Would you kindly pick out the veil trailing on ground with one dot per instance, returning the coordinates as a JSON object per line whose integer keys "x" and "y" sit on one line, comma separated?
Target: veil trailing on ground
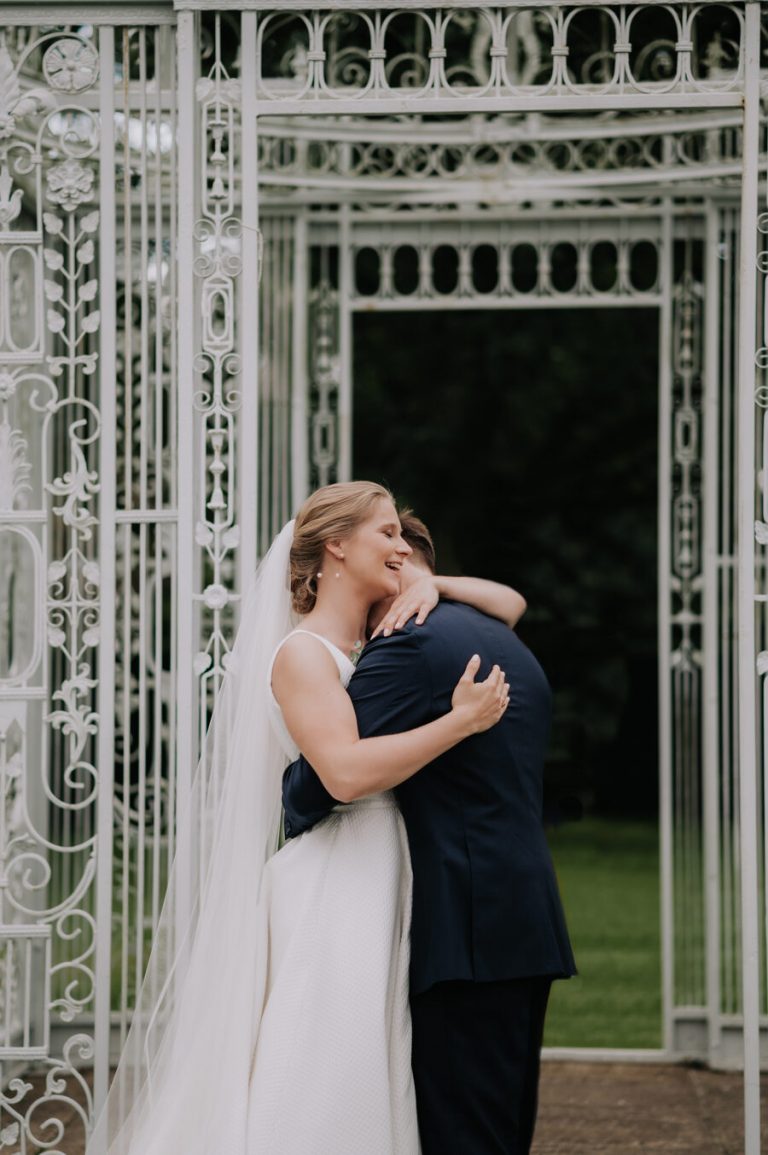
{"x": 182, "y": 1081}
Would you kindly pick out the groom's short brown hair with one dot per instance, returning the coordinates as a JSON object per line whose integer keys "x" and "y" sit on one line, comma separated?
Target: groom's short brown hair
{"x": 418, "y": 537}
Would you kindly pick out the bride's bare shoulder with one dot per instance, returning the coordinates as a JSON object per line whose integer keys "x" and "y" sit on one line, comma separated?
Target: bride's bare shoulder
{"x": 302, "y": 656}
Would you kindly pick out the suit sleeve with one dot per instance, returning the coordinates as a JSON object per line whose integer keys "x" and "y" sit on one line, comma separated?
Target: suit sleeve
{"x": 391, "y": 692}
{"x": 305, "y": 800}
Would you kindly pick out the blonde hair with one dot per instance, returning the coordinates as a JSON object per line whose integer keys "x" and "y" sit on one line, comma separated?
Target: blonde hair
{"x": 334, "y": 511}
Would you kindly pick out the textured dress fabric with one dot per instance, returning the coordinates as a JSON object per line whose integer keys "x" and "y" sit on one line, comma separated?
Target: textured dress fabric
{"x": 331, "y": 1069}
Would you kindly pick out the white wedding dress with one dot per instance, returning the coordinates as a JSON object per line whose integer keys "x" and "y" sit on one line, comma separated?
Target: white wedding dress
{"x": 331, "y": 1070}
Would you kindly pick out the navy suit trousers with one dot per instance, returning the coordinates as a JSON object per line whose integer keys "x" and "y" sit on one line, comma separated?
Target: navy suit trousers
{"x": 476, "y": 1055}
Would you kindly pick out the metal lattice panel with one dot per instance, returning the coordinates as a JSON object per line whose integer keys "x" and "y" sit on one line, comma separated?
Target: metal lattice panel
{"x": 356, "y": 158}
{"x": 505, "y": 265}
{"x": 50, "y": 427}
{"x": 538, "y": 57}
{"x": 78, "y": 105}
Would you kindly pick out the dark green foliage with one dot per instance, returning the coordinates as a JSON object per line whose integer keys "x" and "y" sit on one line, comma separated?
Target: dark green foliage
{"x": 528, "y": 442}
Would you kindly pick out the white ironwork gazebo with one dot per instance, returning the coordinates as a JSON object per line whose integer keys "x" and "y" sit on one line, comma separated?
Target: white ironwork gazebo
{"x": 195, "y": 201}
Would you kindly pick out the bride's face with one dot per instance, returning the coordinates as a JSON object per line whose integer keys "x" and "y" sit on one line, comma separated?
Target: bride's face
{"x": 375, "y": 552}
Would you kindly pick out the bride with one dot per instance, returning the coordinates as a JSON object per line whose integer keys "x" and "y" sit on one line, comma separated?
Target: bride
{"x": 279, "y": 1021}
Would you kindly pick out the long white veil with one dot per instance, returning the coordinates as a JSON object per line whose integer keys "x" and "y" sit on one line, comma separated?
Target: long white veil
{"x": 182, "y": 1081}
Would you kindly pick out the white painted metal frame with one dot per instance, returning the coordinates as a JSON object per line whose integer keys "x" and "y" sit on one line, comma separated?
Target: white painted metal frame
{"x": 369, "y": 100}
{"x": 372, "y": 92}
{"x": 215, "y": 212}
{"x": 108, "y": 394}
{"x": 87, "y": 407}
{"x": 749, "y": 601}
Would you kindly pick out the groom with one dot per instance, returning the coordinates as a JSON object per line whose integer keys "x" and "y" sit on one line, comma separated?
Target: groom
{"x": 488, "y": 933}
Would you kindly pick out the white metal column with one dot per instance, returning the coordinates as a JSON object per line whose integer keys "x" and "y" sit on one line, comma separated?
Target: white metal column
{"x": 107, "y": 559}
{"x": 250, "y": 483}
{"x": 299, "y": 364}
{"x": 346, "y": 385}
{"x": 189, "y": 176}
{"x": 711, "y": 745}
{"x": 749, "y": 789}
{"x": 664, "y": 637}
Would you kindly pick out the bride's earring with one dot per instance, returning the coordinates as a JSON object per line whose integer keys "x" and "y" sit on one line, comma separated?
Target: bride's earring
{"x": 338, "y": 572}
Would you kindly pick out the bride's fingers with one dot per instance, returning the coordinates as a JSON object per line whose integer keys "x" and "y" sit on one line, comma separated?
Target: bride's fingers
{"x": 396, "y": 621}
{"x": 421, "y": 609}
{"x": 421, "y": 605}
{"x": 405, "y": 614}
{"x": 386, "y": 624}
{"x": 471, "y": 668}
{"x": 399, "y": 615}
{"x": 424, "y": 612}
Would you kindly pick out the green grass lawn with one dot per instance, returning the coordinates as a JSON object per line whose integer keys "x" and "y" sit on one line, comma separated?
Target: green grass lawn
{"x": 609, "y": 879}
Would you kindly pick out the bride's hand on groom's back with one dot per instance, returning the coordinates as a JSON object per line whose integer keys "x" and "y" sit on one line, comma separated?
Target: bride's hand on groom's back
{"x": 480, "y": 704}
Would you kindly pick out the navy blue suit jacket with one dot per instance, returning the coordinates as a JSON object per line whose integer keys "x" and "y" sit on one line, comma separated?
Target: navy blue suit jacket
{"x": 485, "y": 899}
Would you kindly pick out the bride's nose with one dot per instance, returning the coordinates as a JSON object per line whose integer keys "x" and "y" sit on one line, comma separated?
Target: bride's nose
{"x": 403, "y": 548}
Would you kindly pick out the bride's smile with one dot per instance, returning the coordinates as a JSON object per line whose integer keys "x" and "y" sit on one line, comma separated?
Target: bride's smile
{"x": 373, "y": 554}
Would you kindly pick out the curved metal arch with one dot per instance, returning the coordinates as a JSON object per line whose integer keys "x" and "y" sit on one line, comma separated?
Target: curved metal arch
{"x": 505, "y": 157}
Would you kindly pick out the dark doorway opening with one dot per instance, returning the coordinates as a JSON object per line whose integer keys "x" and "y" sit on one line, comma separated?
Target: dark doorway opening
{"x": 528, "y": 442}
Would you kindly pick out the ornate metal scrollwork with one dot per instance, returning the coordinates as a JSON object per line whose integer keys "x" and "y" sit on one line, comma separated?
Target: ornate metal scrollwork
{"x": 324, "y": 383}
{"x": 379, "y": 55}
{"x": 50, "y": 423}
{"x": 386, "y": 162}
{"x": 218, "y": 266}
{"x": 686, "y": 622}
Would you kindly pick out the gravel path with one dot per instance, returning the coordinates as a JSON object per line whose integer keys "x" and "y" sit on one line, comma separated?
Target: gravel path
{"x": 594, "y": 1109}
{"x": 615, "y": 1109}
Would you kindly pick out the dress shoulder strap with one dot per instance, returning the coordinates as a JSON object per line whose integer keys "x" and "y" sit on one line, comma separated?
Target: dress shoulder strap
{"x": 332, "y": 648}
{"x": 345, "y": 665}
